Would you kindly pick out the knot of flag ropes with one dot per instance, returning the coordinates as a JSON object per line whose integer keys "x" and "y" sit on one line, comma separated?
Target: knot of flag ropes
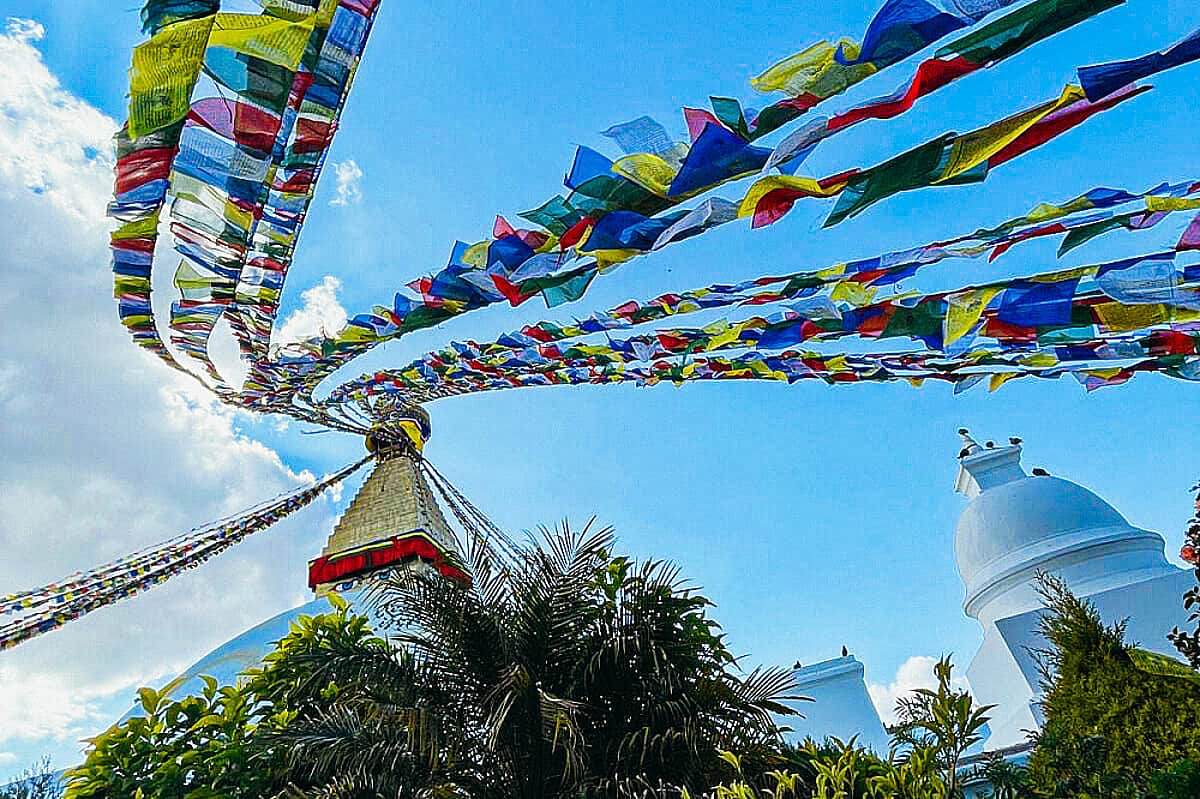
{"x": 231, "y": 116}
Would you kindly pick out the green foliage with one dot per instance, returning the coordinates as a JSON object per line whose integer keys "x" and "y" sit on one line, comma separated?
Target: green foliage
{"x": 936, "y": 728}
{"x": 917, "y": 776}
{"x": 198, "y": 747}
{"x": 940, "y": 725}
{"x": 562, "y": 669}
{"x": 850, "y": 774}
{"x": 219, "y": 743}
{"x": 1182, "y": 781}
{"x": 1109, "y": 724}
{"x": 812, "y": 759}
{"x": 1008, "y": 780}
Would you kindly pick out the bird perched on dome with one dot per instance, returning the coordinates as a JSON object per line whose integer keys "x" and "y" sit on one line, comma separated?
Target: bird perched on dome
{"x": 1038, "y": 471}
{"x": 970, "y": 445}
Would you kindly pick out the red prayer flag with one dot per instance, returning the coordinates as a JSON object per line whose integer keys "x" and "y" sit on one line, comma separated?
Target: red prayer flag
{"x": 931, "y": 75}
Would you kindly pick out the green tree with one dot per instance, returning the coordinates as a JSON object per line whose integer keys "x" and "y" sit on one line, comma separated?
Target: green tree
{"x": 1114, "y": 715}
{"x": 1008, "y": 780}
{"x": 561, "y": 669}
{"x": 220, "y": 743}
{"x": 1180, "y": 782}
{"x": 916, "y": 776}
{"x": 198, "y": 747}
{"x": 943, "y": 722}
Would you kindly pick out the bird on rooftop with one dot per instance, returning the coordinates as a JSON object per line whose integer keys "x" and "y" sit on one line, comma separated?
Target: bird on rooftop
{"x": 970, "y": 445}
{"x": 1038, "y": 471}
{"x": 990, "y": 444}
{"x": 1016, "y": 442}
{"x": 845, "y": 651}
{"x": 797, "y": 665}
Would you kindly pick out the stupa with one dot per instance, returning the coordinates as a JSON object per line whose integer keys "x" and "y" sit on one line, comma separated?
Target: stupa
{"x": 392, "y": 524}
{"x": 1018, "y": 525}
{"x": 1015, "y": 527}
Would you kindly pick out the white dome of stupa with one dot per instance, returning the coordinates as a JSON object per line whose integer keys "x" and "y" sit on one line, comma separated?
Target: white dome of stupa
{"x": 1017, "y": 525}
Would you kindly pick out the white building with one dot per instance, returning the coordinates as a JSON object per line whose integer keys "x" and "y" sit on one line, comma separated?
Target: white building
{"x": 1017, "y": 526}
{"x": 841, "y": 707}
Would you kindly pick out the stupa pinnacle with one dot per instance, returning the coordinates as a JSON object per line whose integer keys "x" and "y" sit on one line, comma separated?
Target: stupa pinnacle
{"x": 393, "y": 522}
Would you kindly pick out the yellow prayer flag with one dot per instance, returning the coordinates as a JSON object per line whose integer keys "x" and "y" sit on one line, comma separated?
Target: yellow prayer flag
{"x": 972, "y": 149}
{"x": 1044, "y": 212}
{"x": 276, "y": 40}
{"x": 837, "y": 363}
{"x": 814, "y": 71}
{"x": 1172, "y": 203}
{"x": 1119, "y": 318}
{"x": 412, "y": 431}
{"x": 163, "y": 73}
{"x": 853, "y": 292}
{"x": 476, "y": 255}
{"x": 807, "y": 187}
{"x": 607, "y": 259}
{"x": 963, "y": 311}
{"x": 238, "y": 216}
{"x": 795, "y": 72}
{"x": 721, "y": 338}
{"x": 1041, "y": 360}
{"x": 1064, "y": 274}
{"x": 648, "y": 171}
{"x": 1000, "y": 378}
{"x": 145, "y": 227}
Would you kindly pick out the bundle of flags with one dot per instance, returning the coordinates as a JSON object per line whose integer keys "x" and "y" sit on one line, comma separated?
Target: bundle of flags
{"x": 46, "y": 608}
{"x": 621, "y": 209}
{"x": 230, "y": 117}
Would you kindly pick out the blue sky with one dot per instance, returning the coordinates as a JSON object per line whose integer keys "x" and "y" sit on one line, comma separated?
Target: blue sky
{"x": 814, "y": 516}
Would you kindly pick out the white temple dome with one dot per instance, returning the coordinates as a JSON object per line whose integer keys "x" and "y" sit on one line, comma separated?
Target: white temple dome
{"x": 1017, "y": 525}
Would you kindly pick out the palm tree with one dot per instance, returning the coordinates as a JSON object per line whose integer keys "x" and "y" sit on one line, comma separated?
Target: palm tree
{"x": 1007, "y": 780}
{"x": 561, "y": 670}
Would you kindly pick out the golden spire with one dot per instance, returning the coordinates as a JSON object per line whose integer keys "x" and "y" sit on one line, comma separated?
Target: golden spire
{"x": 393, "y": 521}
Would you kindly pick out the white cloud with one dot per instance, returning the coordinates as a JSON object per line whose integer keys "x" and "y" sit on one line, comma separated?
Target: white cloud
{"x": 320, "y": 313}
{"x": 51, "y": 143}
{"x": 349, "y": 183}
{"x": 106, "y": 450}
{"x": 914, "y": 673}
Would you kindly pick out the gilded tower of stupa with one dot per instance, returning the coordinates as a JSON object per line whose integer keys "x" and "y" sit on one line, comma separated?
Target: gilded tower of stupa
{"x": 392, "y": 523}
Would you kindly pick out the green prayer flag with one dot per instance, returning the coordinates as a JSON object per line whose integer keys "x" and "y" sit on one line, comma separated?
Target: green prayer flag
{"x": 556, "y": 215}
{"x": 568, "y": 290}
{"x": 729, "y": 112}
{"x": 923, "y": 321}
{"x": 911, "y": 170}
{"x": 1026, "y": 26}
{"x": 1084, "y": 233}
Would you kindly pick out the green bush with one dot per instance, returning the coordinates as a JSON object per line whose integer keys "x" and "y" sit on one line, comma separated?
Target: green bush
{"x": 1180, "y": 782}
{"x": 1110, "y": 724}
